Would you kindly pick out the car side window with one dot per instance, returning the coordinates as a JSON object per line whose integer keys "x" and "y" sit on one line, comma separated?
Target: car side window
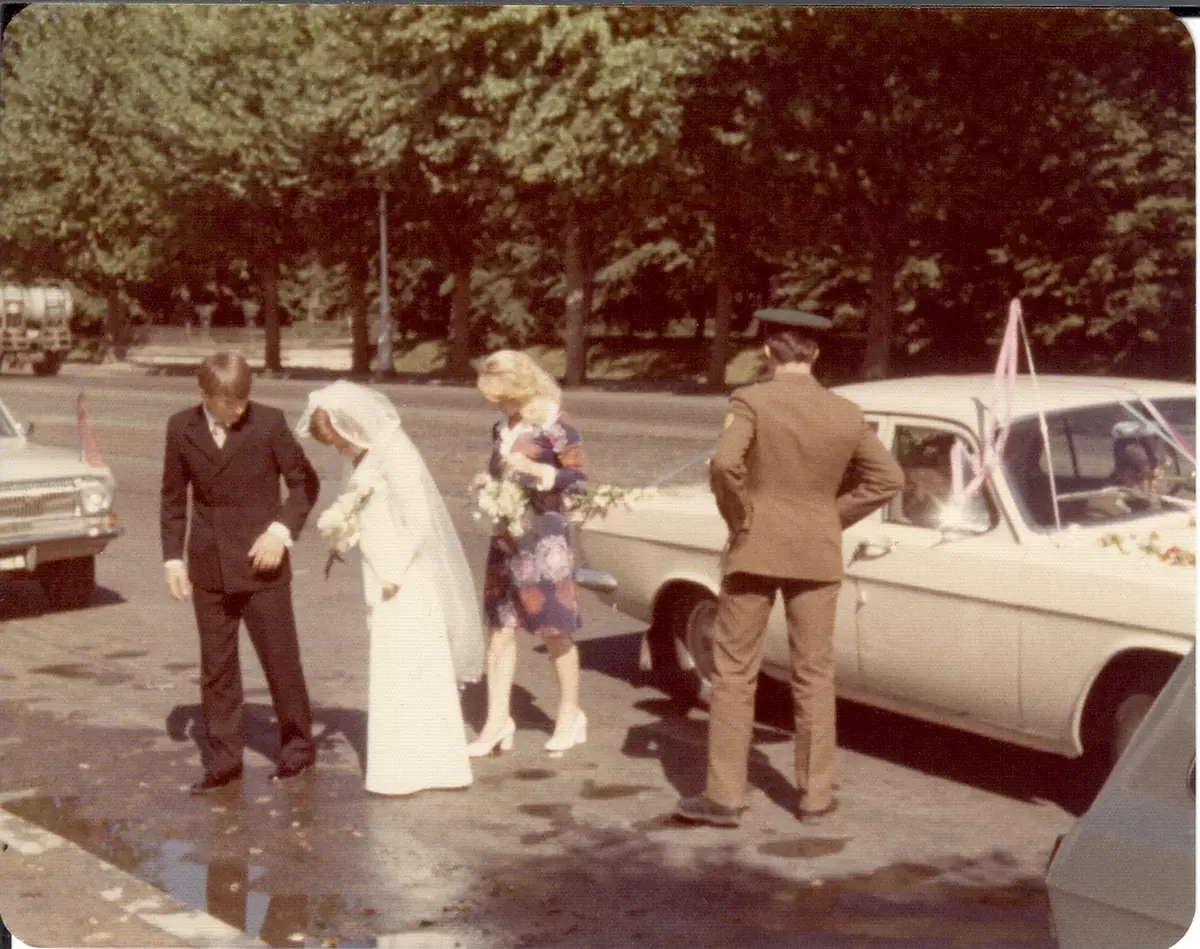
{"x": 927, "y": 498}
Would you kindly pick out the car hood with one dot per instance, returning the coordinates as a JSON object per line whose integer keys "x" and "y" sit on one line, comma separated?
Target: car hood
{"x": 25, "y": 461}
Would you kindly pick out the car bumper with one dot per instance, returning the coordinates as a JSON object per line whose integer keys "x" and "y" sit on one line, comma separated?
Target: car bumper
{"x": 22, "y": 554}
{"x": 602, "y": 584}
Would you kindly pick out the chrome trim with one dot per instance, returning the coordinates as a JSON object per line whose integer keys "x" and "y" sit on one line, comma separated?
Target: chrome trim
{"x": 595, "y": 580}
{"x": 101, "y": 535}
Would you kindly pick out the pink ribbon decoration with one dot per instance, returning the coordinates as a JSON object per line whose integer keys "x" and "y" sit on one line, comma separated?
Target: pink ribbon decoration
{"x": 1004, "y": 384}
{"x": 89, "y": 448}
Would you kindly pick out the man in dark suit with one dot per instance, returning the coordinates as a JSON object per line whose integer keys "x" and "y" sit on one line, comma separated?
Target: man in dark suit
{"x": 232, "y": 452}
{"x": 794, "y": 466}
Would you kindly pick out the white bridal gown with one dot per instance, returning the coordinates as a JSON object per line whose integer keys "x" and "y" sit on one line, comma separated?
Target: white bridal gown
{"x": 415, "y": 733}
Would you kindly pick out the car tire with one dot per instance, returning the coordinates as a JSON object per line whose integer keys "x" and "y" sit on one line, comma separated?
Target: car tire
{"x": 68, "y": 584}
{"x": 692, "y": 625}
{"x": 1126, "y": 717}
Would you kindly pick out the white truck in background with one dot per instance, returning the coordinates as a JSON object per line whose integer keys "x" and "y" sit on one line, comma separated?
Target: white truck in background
{"x": 35, "y": 326}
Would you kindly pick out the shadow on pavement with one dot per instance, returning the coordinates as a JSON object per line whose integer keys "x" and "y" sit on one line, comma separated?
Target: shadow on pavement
{"x": 24, "y": 599}
{"x": 984, "y": 763}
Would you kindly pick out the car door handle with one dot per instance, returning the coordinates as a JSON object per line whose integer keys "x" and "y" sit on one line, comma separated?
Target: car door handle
{"x": 873, "y": 549}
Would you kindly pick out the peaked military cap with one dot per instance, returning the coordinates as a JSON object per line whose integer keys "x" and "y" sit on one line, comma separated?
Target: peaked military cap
{"x": 791, "y": 319}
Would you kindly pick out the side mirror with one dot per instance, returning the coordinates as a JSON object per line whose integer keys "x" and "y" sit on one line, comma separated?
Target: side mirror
{"x": 24, "y": 429}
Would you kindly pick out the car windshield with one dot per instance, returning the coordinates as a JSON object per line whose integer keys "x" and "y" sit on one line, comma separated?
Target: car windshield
{"x": 1111, "y": 463}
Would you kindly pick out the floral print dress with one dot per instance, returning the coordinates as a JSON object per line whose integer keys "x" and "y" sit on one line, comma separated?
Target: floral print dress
{"x": 530, "y": 579}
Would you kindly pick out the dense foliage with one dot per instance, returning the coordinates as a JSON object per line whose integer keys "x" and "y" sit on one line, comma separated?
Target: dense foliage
{"x": 559, "y": 174}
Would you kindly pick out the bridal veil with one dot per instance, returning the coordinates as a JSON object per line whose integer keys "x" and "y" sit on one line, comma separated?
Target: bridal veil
{"x": 367, "y": 418}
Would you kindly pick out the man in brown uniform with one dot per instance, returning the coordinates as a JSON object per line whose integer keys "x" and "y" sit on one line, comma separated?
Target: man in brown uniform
{"x": 794, "y": 466}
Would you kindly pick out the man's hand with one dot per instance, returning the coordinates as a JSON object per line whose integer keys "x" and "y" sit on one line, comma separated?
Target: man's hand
{"x": 267, "y": 552}
{"x": 389, "y": 591}
{"x": 178, "y": 584}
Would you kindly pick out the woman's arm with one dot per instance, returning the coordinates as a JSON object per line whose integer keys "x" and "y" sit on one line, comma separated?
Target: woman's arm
{"x": 406, "y": 503}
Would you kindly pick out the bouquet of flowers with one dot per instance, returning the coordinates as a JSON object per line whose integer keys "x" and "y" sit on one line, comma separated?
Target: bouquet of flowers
{"x": 598, "y": 501}
{"x": 499, "y": 505}
{"x": 338, "y": 524}
{"x": 1152, "y": 545}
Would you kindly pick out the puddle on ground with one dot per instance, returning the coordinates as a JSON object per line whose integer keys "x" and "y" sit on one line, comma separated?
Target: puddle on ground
{"x": 533, "y": 774}
{"x": 804, "y": 847}
{"x": 553, "y": 812}
{"x": 80, "y": 670}
{"x": 608, "y": 792}
{"x": 127, "y": 654}
{"x": 913, "y": 903}
{"x": 225, "y": 889}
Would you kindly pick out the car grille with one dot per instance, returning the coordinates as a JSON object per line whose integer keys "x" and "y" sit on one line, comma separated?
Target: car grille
{"x": 27, "y": 500}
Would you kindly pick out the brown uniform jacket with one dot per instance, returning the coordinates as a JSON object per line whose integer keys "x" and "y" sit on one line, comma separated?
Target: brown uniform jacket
{"x": 794, "y": 466}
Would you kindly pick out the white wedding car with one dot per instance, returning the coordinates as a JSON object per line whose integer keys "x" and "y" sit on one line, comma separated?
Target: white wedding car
{"x": 1026, "y": 612}
{"x": 55, "y": 515}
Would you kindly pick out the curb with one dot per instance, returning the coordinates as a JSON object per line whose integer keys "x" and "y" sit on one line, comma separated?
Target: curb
{"x": 132, "y": 896}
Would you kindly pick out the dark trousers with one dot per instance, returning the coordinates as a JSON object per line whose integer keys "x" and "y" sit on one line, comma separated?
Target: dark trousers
{"x": 272, "y": 628}
{"x": 742, "y": 613}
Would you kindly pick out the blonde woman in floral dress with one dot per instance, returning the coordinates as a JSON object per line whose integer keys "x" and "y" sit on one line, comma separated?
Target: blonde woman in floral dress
{"x": 529, "y": 581}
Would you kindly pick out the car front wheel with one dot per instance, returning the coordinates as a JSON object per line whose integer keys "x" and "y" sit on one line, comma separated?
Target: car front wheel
{"x": 68, "y": 584}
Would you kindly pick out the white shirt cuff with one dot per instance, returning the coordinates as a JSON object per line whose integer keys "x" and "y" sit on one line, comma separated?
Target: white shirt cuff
{"x": 281, "y": 531}
{"x": 173, "y": 564}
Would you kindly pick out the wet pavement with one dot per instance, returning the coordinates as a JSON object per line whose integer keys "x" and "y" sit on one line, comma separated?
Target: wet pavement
{"x": 939, "y": 841}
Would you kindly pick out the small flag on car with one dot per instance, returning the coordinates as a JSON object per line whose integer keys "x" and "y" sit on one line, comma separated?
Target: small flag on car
{"x": 89, "y": 448}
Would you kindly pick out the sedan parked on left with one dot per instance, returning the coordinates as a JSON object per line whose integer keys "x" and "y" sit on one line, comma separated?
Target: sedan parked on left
{"x": 56, "y": 515}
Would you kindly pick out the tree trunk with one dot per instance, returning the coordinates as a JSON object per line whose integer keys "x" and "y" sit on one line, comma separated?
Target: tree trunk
{"x": 269, "y": 289}
{"x": 360, "y": 333}
{"x": 576, "y": 317}
{"x": 882, "y": 311}
{"x": 460, "y": 318}
{"x": 116, "y": 324}
{"x": 719, "y": 352}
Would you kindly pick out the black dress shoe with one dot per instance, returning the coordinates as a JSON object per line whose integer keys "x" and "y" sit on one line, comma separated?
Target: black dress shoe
{"x": 700, "y": 810}
{"x": 813, "y": 816}
{"x": 214, "y": 782}
{"x": 286, "y": 771}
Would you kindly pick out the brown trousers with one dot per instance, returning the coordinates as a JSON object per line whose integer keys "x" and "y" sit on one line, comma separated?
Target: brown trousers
{"x": 742, "y": 614}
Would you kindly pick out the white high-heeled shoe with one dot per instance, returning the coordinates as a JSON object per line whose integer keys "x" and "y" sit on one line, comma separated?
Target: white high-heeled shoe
{"x": 575, "y": 734}
{"x": 479, "y": 748}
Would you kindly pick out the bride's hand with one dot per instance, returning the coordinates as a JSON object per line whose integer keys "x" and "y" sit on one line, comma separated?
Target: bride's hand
{"x": 389, "y": 591}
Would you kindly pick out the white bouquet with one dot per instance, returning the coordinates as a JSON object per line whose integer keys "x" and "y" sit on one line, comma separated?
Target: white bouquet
{"x": 338, "y": 524}
{"x": 597, "y": 502}
{"x": 499, "y": 504}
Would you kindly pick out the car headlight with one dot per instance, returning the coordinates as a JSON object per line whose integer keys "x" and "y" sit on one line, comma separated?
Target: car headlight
{"x": 95, "y": 495}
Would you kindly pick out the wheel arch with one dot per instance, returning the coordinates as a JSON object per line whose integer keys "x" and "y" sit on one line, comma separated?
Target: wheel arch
{"x": 1150, "y": 663}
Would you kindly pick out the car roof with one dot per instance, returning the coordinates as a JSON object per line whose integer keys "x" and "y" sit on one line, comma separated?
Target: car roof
{"x": 959, "y": 396}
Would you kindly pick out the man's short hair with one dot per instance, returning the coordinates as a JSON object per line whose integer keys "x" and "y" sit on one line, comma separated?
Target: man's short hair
{"x": 225, "y": 374}
{"x": 792, "y": 346}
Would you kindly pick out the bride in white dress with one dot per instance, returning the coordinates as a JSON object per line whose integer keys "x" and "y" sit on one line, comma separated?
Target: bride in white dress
{"x": 422, "y": 611}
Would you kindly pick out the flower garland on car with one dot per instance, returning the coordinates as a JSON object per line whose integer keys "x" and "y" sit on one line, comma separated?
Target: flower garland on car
{"x": 500, "y": 504}
{"x": 1151, "y": 545}
{"x": 597, "y": 502}
{"x": 338, "y": 524}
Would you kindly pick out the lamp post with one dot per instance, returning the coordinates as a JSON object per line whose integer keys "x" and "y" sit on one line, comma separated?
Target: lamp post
{"x": 383, "y": 358}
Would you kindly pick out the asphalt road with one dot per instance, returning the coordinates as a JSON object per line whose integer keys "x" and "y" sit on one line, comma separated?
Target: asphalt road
{"x": 940, "y": 840}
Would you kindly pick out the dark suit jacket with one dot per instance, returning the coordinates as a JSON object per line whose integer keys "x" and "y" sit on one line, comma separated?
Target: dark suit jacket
{"x": 794, "y": 466}
{"x": 235, "y": 495}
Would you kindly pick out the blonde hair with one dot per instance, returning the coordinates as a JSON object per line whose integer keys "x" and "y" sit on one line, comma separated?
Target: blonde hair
{"x": 225, "y": 374}
{"x": 511, "y": 374}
